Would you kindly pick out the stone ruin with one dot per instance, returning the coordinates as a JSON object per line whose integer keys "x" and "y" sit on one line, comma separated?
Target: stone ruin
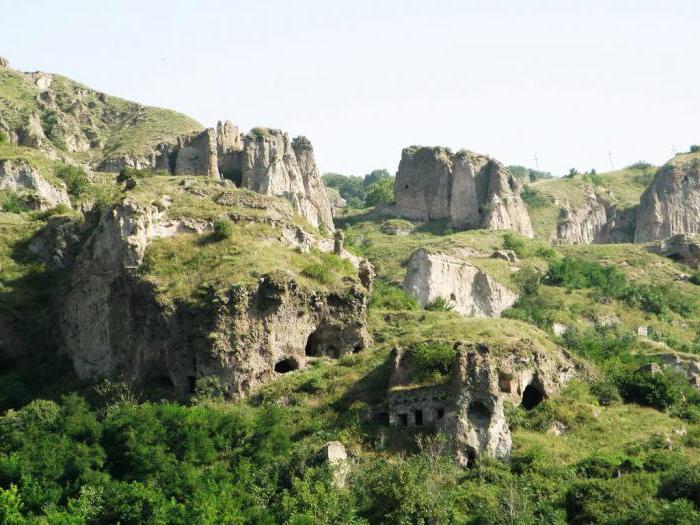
{"x": 468, "y": 407}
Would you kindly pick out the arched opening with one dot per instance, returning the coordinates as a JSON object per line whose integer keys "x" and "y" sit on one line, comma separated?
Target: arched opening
{"x": 322, "y": 343}
{"x": 418, "y": 414}
{"x": 286, "y": 365}
{"x": 532, "y": 396}
{"x": 478, "y": 411}
{"x": 439, "y": 413}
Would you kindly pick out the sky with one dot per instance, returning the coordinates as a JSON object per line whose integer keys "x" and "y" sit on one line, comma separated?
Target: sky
{"x": 555, "y": 84}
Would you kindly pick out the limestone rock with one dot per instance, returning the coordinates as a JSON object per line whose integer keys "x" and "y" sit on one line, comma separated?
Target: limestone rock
{"x": 505, "y": 255}
{"x": 671, "y": 205}
{"x": 597, "y": 221}
{"x": 466, "y": 189}
{"x": 55, "y": 243}
{"x": 112, "y": 324}
{"x": 683, "y": 248}
{"x": 468, "y": 289}
{"x": 19, "y": 176}
{"x": 469, "y": 408}
{"x": 197, "y": 155}
{"x": 4, "y": 62}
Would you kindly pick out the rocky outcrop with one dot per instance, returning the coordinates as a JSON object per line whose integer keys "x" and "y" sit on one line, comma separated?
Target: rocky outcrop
{"x": 469, "y": 406}
{"x": 671, "y": 205}
{"x": 112, "y": 324}
{"x": 469, "y": 290}
{"x": 597, "y": 221}
{"x": 265, "y": 161}
{"x": 681, "y": 248}
{"x": 19, "y": 176}
{"x": 466, "y": 189}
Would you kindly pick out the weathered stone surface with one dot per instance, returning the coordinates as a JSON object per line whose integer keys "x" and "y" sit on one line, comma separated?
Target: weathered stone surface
{"x": 671, "y": 205}
{"x": 4, "y": 62}
{"x": 113, "y": 326}
{"x": 469, "y": 408}
{"x": 56, "y": 242}
{"x": 466, "y": 189}
{"x": 683, "y": 248}
{"x": 19, "y": 176}
{"x": 468, "y": 289}
{"x": 265, "y": 161}
{"x": 505, "y": 255}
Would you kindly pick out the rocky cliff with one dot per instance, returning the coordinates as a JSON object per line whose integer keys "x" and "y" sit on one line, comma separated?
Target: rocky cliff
{"x": 597, "y": 221}
{"x": 671, "y": 205}
{"x": 466, "y": 189}
{"x": 469, "y": 290}
{"x": 264, "y": 160}
{"x": 114, "y": 325}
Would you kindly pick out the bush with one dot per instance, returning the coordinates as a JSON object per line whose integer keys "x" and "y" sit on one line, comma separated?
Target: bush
{"x": 388, "y": 296}
{"x": 684, "y": 482}
{"x": 380, "y": 192}
{"x": 76, "y": 180}
{"x": 641, "y": 165}
{"x": 318, "y": 272}
{"x": 512, "y": 242}
{"x": 223, "y": 229}
{"x": 10, "y": 202}
{"x": 440, "y": 304}
{"x": 577, "y": 273}
{"x": 3, "y": 138}
{"x": 432, "y": 359}
{"x": 658, "y": 390}
{"x": 695, "y": 148}
{"x": 606, "y": 393}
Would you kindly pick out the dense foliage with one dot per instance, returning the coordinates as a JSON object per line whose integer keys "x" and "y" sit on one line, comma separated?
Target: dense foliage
{"x": 374, "y": 188}
{"x": 528, "y": 174}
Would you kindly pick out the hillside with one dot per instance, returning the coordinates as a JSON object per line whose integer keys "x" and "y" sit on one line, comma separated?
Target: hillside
{"x": 193, "y": 345}
{"x": 67, "y": 119}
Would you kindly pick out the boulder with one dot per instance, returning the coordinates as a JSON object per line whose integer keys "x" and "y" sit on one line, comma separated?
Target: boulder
{"x": 671, "y": 205}
{"x": 466, "y": 189}
{"x": 468, "y": 289}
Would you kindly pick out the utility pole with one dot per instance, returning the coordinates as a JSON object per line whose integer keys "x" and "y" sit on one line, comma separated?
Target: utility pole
{"x": 537, "y": 162}
{"x": 612, "y": 168}
{"x": 673, "y": 148}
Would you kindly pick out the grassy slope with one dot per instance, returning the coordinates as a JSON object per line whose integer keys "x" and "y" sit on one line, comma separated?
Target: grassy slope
{"x": 124, "y": 127}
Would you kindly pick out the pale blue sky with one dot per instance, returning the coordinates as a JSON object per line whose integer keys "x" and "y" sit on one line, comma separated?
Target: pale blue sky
{"x": 564, "y": 80}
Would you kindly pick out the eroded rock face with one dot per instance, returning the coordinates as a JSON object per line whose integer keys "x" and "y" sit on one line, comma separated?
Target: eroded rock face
{"x": 671, "y": 205}
{"x": 112, "y": 324}
{"x": 469, "y": 407}
{"x": 468, "y": 289}
{"x": 683, "y": 248}
{"x": 265, "y": 161}
{"x": 466, "y": 189}
{"x": 19, "y": 176}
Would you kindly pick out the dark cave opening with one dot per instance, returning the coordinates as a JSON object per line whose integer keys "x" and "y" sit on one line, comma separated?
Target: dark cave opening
{"x": 286, "y": 365}
{"x": 532, "y": 396}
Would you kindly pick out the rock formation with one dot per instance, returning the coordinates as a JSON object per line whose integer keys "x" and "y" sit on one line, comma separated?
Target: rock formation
{"x": 21, "y": 177}
{"x": 596, "y": 222}
{"x": 265, "y": 161}
{"x": 466, "y": 189}
{"x": 112, "y": 324}
{"x": 469, "y": 290}
{"x": 469, "y": 406}
{"x": 671, "y": 205}
{"x": 682, "y": 248}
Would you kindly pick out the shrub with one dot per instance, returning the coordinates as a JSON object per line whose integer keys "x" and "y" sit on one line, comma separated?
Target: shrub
{"x": 695, "y": 148}
{"x": 606, "y": 392}
{"x": 318, "y": 272}
{"x": 440, "y": 304}
{"x": 534, "y": 198}
{"x": 658, "y": 390}
{"x": 75, "y": 178}
{"x": 10, "y": 202}
{"x": 380, "y": 192}
{"x": 641, "y": 165}
{"x": 432, "y": 359}
{"x": 223, "y": 229}
{"x": 572, "y": 173}
{"x": 577, "y": 273}
{"x": 683, "y": 482}
{"x": 3, "y": 138}
{"x": 512, "y": 242}
{"x": 644, "y": 179}
{"x": 388, "y": 296}
{"x": 695, "y": 278}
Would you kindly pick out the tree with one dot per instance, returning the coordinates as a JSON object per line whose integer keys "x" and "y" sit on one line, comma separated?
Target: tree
{"x": 380, "y": 192}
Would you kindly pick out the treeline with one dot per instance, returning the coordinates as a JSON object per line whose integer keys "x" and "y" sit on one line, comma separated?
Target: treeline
{"x": 374, "y": 188}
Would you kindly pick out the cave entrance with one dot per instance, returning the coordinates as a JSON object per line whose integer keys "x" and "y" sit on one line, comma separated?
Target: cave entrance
{"x": 418, "y": 414}
{"x": 322, "y": 343}
{"x": 478, "y": 412}
{"x": 439, "y": 413}
{"x": 532, "y": 396}
{"x": 235, "y": 175}
{"x": 403, "y": 420}
{"x": 286, "y": 365}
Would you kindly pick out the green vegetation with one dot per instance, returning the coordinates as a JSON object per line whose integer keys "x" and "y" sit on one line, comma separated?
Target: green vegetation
{"x": 374, "y": 188}
{"x": 432, "y": 360}
{"x": 529, "y": 175}
{"x": 75, "y": 178}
